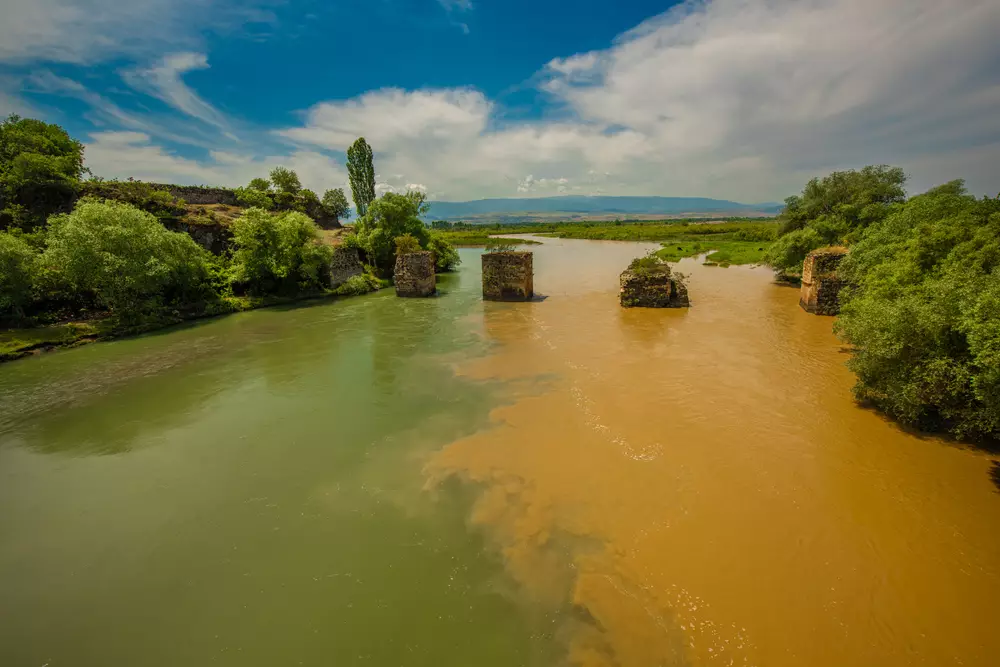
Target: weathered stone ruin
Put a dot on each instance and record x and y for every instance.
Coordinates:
(345, 264)
(652, 285)
(508, 276)
(414, 274)
(820, 283)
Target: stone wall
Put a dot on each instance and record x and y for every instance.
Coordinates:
(508, 276)
(214, 238)
(345, 264)
(820, 284)
(414, 274)
(653, 288)
(193, 194)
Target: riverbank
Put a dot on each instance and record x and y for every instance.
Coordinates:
(17, 343)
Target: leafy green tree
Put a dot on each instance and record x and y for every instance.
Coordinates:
(390, 216)
(361, 171)
(286, 180)
(126, 258)
(18, 262)
(278, 253)
(446, 258)
(261, 184)
(250, 197)
(335, 204)
(307, 202)
(40, 170)
(922, 313)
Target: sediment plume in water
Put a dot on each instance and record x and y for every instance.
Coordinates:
(698, 487)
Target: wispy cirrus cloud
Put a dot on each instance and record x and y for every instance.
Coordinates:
(164, 81)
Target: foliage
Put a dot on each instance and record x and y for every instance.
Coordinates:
(125, 257)
(262, 184)
(143, 196)
(18, 262)
(648, 264)
(390, 216)
(307, 201)
(406, 243)
(278, 253)
(358, 285)
(461, 238)
(361, 171)
(335, 204)
(254, 198)
(446, 258)
(40, 170)
(495, 245)
(834, 210)
(285, 180)
(923, 313)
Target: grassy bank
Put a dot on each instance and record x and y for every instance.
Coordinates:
(16, 343)
(472, 239)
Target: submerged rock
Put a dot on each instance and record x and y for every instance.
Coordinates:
(508, 276)
(649, 283)
(414, 274)
(821, 285)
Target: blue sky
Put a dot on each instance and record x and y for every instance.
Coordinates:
(733, 99)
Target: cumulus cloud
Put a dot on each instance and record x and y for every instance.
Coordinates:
(124, 154)
(726, 98)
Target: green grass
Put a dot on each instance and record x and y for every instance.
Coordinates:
(477, 238)
(721, 253)
(16, 343)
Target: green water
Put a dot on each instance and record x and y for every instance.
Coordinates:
(248, 491)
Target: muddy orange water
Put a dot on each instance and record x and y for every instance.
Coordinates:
(697, 487)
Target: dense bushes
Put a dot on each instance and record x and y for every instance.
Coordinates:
(40, 169)
(17, 270)
(833, 210)
(125, 258)
(278, 253)
(143, 196)
(388, 217)
(446, 258)
(922, 313)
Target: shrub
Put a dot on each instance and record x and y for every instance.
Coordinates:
(261, 184)
(446, 258)
(285, 180)
(406, 243)
(787, 253)
(922, 313)
(278, 253)
(499, 245)
(125, 257)
(141, 195)
(357, 285)
(18, 262)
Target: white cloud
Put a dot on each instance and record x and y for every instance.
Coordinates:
(125, 154)
(163, 81)
(727, 98)
(87, 31)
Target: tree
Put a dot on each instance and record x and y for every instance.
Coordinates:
(286, 180)
(446, 258)
(261, 184)
(251, 197)
(40, 170)
(922, 313)
(17, 270)
(335, 204)
(361, 170)
(390, 216)
(124, 256)
(278, 253)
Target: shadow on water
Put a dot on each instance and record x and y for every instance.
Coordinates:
(995, 475)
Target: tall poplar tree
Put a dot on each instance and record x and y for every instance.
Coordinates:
(361, 171)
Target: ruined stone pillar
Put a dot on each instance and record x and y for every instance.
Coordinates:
(344, 264)
(414, 274)
(820, 284)
(652, 287)
(508, 276)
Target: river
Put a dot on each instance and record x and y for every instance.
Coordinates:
(380, 481)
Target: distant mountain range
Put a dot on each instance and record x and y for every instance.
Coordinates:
(577, 207)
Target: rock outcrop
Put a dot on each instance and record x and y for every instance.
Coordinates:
(820, 283)
(213, 237)
(508, 276)
(414, 274)
(345, 264)
(649, 284)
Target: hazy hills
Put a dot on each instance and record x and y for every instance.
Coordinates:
(576, 207)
